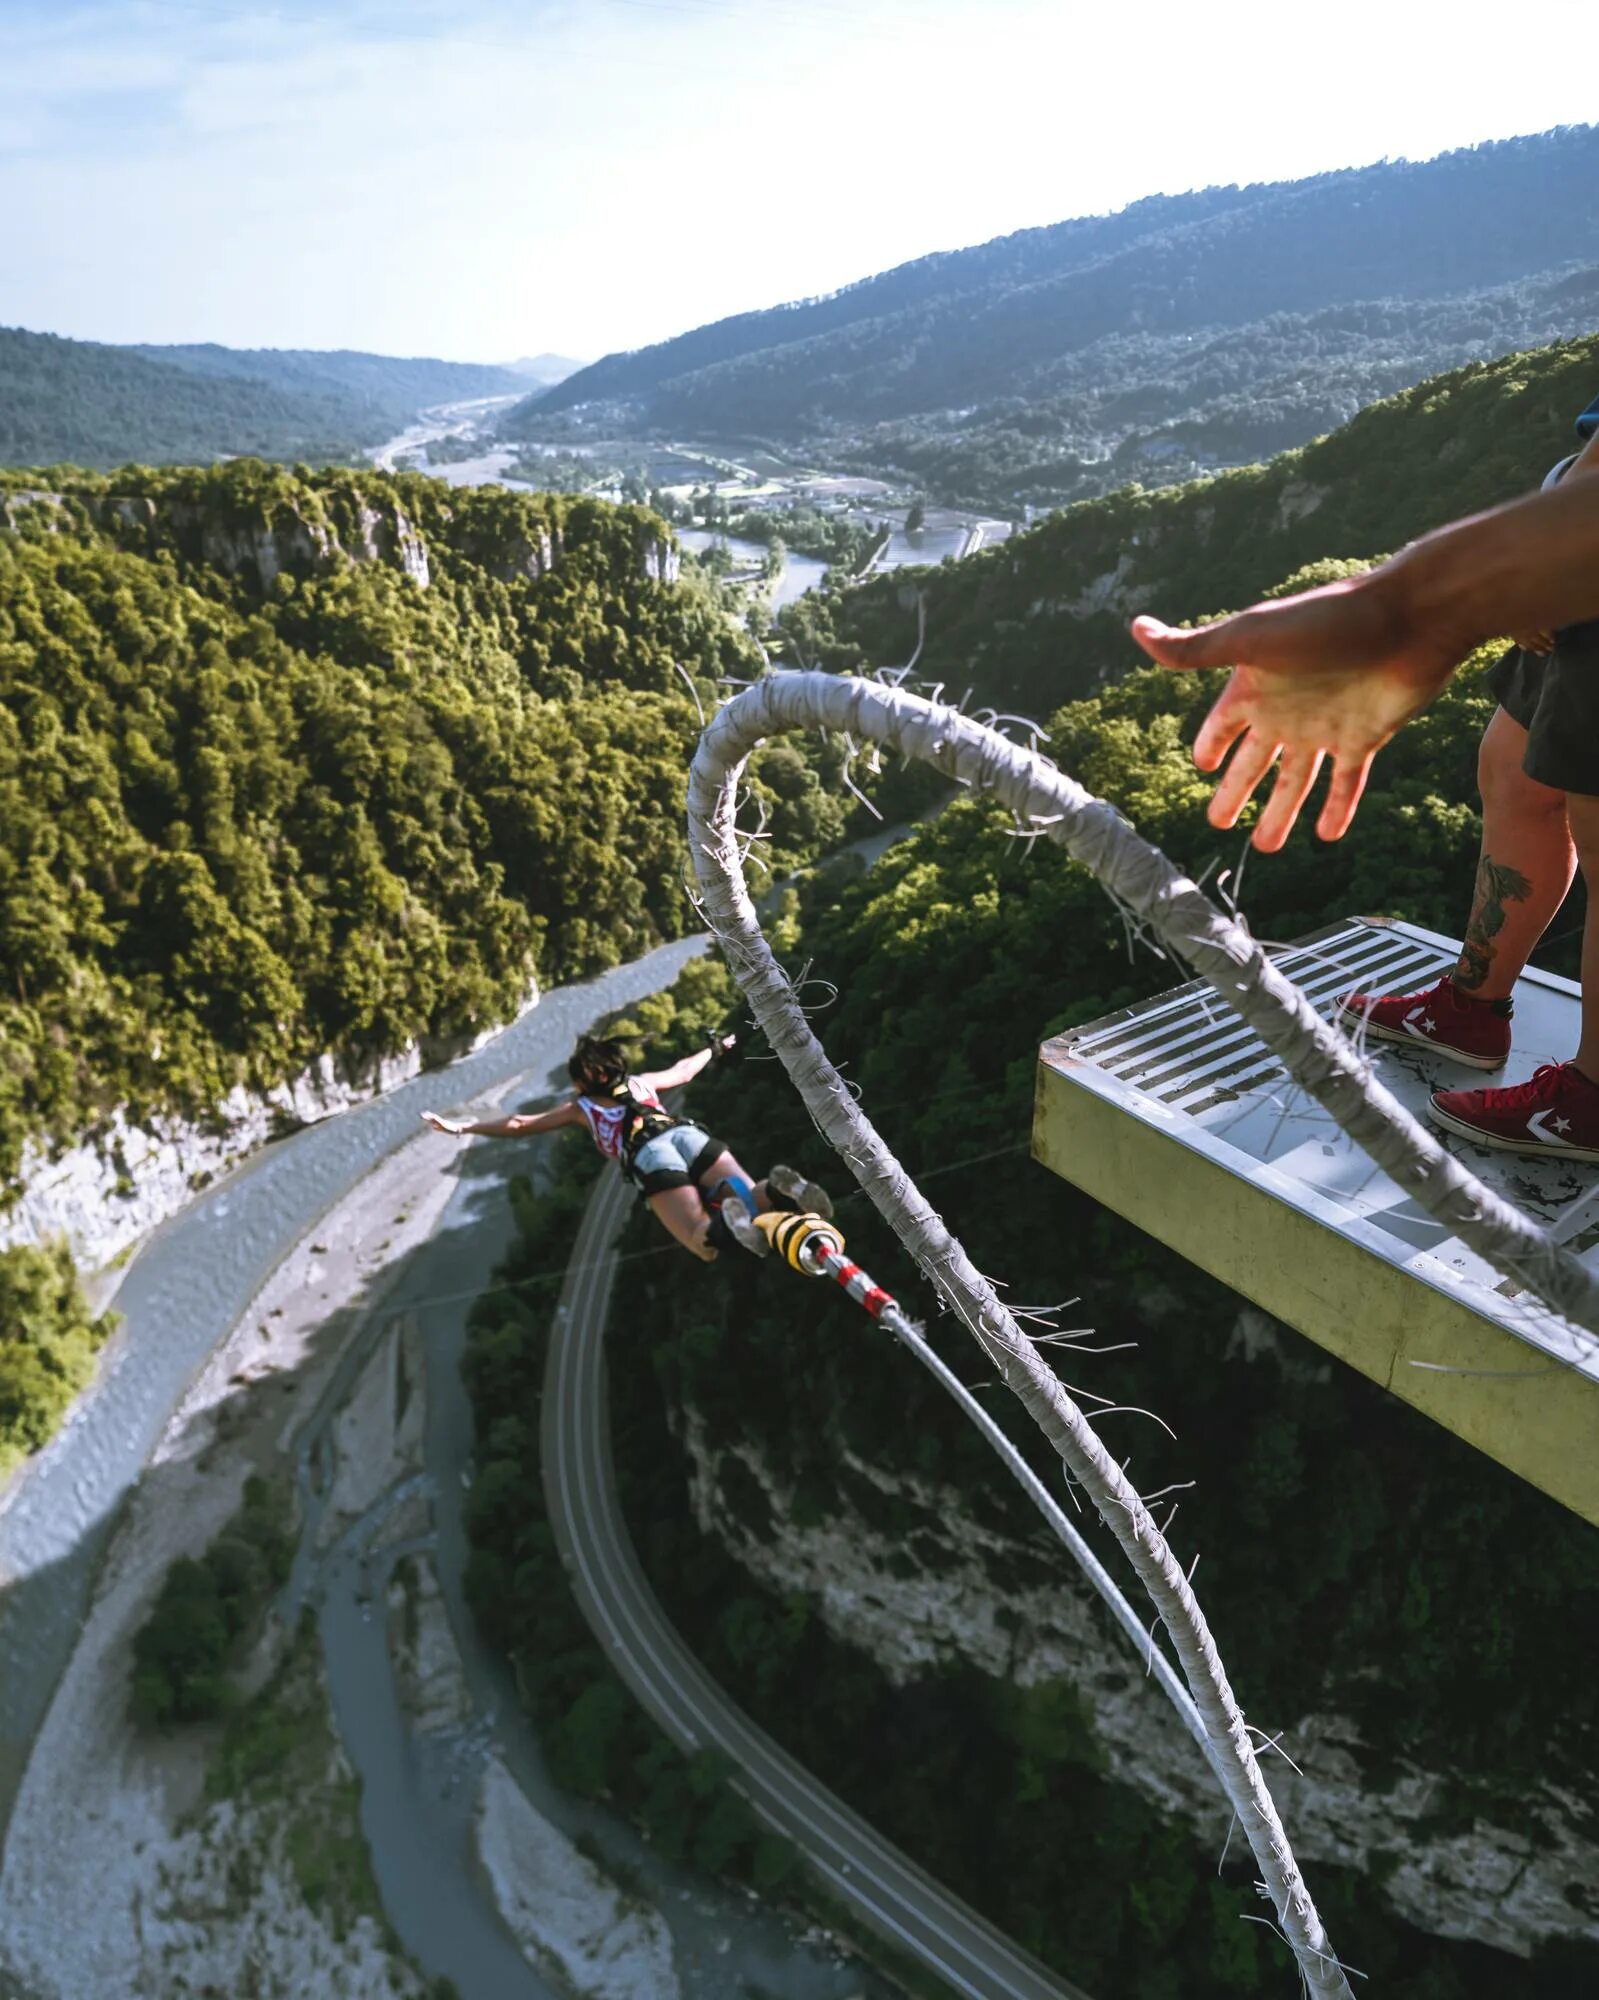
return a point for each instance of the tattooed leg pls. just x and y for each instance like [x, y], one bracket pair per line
[1498, 884]
[1526, 868]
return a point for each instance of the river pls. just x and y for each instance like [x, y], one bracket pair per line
[188, 1286]
[945, 532]
[800, 572]
[442, 422]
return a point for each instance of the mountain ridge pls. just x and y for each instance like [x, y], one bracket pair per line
[1032, 335]
[92, 403]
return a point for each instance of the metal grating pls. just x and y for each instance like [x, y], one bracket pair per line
[1192, 1052]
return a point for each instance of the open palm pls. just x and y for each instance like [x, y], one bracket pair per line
[1332, 673]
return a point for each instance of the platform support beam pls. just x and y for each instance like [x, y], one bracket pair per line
[1535, 1416]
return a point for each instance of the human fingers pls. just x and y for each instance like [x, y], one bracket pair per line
[1221, 729]
[1536, 642]
[1252, 759]
[1288, 796]
[1343, 795]
[1210, 646]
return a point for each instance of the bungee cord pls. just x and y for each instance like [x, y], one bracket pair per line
[815, 1248]
[1141, 880]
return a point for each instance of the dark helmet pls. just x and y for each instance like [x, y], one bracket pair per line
[597, 1064]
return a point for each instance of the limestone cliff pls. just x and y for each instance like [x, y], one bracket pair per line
[913, 1600]
[299, 531]
[108, 1191]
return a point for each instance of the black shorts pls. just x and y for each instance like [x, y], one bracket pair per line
[1555, 698]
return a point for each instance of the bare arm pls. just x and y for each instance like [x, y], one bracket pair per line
[519, 1125]
[689, 1067]
[1336, 672]
[680, 1072]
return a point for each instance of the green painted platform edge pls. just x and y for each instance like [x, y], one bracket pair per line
[1538, 1419]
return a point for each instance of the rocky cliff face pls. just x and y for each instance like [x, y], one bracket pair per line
[279, 541]
[104, 1194]
[953, 1590]
[277, 537]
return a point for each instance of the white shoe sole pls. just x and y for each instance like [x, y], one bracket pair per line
[1529, 1149]
[742, 1229]
[1377, 1033]
[813, 1200]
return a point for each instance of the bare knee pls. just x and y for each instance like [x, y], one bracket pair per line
[1582, 814]
[1504, 785]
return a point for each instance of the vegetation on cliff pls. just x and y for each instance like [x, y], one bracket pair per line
[48, 1341]
[297, 765]
[247, 825]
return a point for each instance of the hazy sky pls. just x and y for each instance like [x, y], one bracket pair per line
[482, 180]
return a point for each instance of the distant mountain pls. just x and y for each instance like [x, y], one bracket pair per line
[387, 386]
[85, 403]
[545, 368]
[77, 402]
[1185, 331]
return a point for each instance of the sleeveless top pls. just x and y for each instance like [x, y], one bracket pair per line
[611, 1120]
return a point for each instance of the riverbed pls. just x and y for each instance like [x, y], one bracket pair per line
[190, 1286]
[945, 533]
[800, 572]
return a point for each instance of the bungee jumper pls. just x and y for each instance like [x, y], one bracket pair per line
[696, 1188]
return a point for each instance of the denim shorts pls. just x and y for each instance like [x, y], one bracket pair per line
[674, 1159]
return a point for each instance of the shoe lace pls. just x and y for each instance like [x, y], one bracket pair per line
[1516, 1096]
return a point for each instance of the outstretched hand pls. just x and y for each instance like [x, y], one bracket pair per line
[1332, 673]
[451, 1127]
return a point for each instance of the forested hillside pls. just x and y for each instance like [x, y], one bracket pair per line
[301, 764]
[293, 765]
[72, 402]
[79, 402]
[1358, 1562]
[1183, 332]
[1043, 616]
[389, 387]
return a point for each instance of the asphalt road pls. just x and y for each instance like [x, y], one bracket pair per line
[900, 1902]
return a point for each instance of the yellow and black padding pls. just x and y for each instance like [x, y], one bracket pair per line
[800, 1238]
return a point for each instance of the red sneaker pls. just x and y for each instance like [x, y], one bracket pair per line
[1555, 1113]
[1443, 1018]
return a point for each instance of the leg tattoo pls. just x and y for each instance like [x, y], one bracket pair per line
[1496, 886]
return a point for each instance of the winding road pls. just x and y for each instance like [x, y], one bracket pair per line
[899, 1901]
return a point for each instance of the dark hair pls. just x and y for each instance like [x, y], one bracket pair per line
[597, 1063]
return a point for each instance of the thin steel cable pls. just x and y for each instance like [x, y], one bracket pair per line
[911, 1335]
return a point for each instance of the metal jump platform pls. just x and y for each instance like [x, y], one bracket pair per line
[1174, 1115]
